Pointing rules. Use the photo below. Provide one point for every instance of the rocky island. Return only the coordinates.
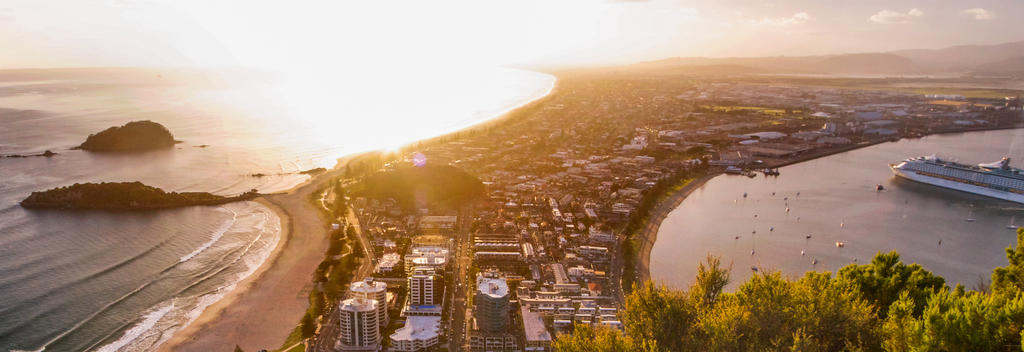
(123, 196)
(134, 136)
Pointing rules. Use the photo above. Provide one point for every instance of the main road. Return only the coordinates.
(459, 329)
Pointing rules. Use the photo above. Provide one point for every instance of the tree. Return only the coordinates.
(238, 349)
(902, 329)
(711, 279)
(308, 325)
(1009, 279)
(588, 338)
(658, 317)
(882, 282)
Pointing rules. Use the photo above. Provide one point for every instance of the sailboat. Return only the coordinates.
(1012, 224)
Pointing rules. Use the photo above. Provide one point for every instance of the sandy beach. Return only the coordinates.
(265, 307)
(650, 232)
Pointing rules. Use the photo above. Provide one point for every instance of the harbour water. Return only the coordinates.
(834, 199)
(91, 280)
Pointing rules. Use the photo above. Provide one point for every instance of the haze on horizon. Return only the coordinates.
(309, 35)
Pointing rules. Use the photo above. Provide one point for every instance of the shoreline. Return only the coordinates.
(264, 308)
(653, 223)
(213, 311)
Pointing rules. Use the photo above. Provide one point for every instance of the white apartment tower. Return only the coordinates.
(423, 287)
(359, 329)
(373, 290)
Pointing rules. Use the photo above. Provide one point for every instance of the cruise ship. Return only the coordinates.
(996, 180)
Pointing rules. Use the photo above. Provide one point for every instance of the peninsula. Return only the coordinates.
(123, 196)
(134, 136)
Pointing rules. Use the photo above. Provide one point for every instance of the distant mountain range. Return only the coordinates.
(1000, 59)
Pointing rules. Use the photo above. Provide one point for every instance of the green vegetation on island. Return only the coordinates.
(123, 196)
(315, 171)
(132, 137)
(882, 306)
(415, 186)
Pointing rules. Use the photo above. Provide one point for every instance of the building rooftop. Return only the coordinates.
(418, 328)
(533, 326)
(368, 285)
(359, 305)
(494, 287)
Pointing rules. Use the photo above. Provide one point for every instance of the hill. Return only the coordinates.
(122, 196)
(415, 187)
(867, 63)
(962, 57)
(1001, 58)
(132, 137)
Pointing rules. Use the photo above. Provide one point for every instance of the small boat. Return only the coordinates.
(737, 237)
(1012, 224)
(751, 252)
(879, 187)
(970, 215)
(840, 244)
(744, 194)
(755, 215)
(802, 253)
(842, 224)
(814, 261)
(787, 209)
(753, 268)
(772, 228)
(808, 236)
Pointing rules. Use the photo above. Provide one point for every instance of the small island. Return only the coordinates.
(134, 136)
(123, 196)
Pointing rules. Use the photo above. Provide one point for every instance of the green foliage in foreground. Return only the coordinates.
(882, 306)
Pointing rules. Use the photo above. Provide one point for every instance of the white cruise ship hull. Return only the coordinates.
(959, 186)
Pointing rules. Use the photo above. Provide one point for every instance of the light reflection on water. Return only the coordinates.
(129, 268)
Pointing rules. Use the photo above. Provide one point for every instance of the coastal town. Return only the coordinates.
(569, 183)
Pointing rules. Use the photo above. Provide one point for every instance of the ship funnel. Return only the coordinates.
(1003, 164)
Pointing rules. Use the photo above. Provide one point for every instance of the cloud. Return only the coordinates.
(978, 13)
(794, 20)
(893, 17)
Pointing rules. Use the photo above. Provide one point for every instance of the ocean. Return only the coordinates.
(834, 199)
(107, 281)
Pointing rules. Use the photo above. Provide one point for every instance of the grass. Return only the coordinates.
(966, 92)
(293, 338)
(956, 103)
(760, 109)
(297, 348)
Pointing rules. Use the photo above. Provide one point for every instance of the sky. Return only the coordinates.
(297, 35)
